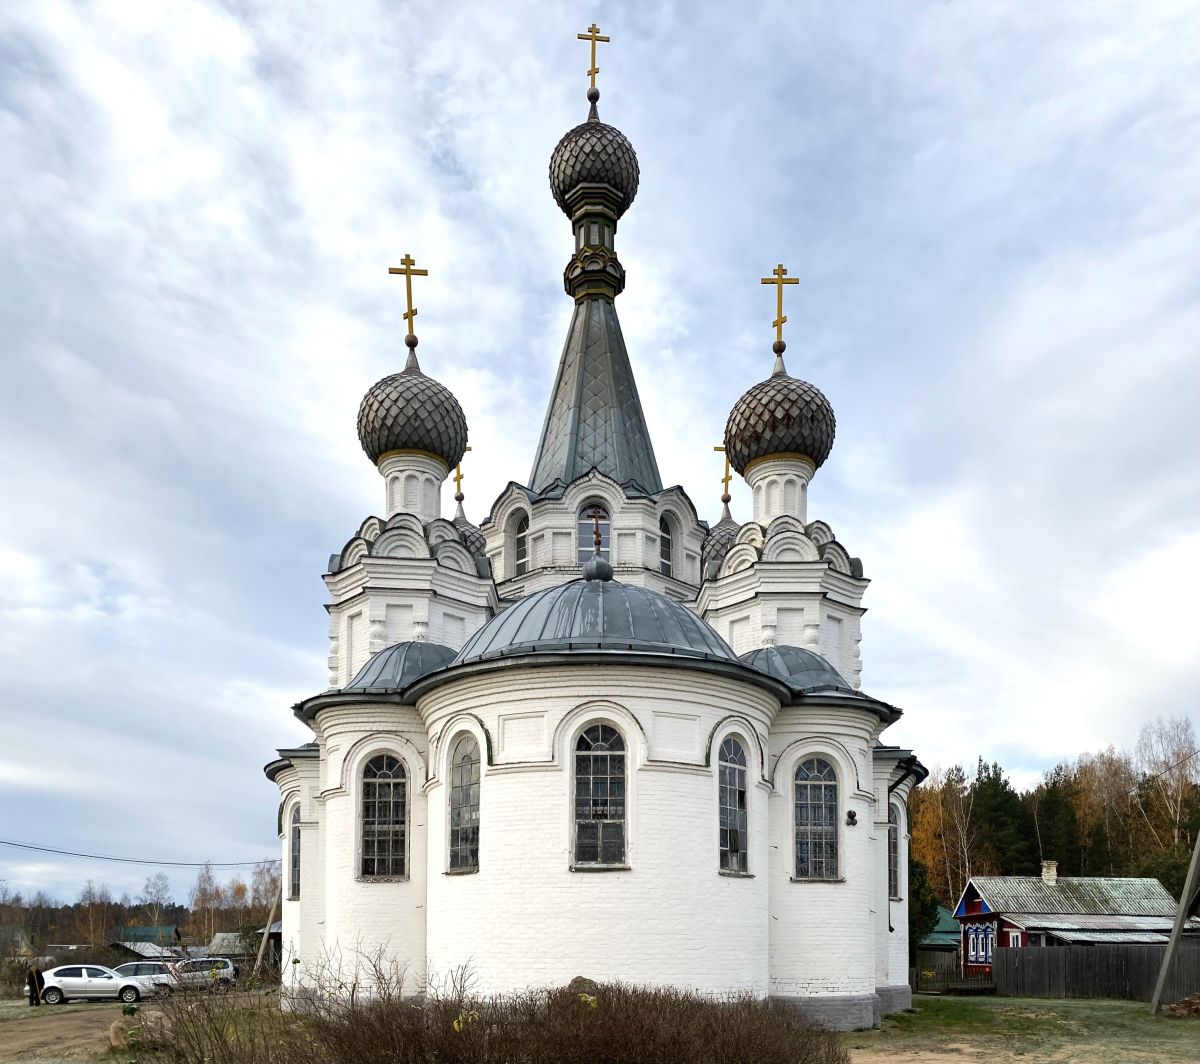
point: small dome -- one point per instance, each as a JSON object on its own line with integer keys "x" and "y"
{"x": 474, "y": 539}
{"x": 396, "y": 667}
{"x": 596, "y": 154}
{"x": 411, "y": 412}
{"x": 800, "y": 669}
{"x": 781, "y": 415}
{"x": 590, "y": 615}
{"x": 718, "y": 541}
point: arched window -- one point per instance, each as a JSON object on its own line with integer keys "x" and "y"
{"x": 816, "y": 820}
{"x": 731, "y": 773}
{"x": 521, "y": 543}
{"x": 893, "y": 852}
{"x": 587, "y": 532}
{"x": 384, "y": 818}
{"x": 664, "y": 546}
{"x": 464, "y": 805}
{"x": 294, "y": 863}
{"x": 600, "y": 797}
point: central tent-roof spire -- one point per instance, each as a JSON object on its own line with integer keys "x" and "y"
{"x": 595, "y": 418}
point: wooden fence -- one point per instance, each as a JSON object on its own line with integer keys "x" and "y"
{"x": 1102, "y": 971}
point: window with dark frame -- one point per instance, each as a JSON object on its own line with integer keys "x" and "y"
{"x": 600, "y": 797}
{"x": 384, "y": 818}
{"x": 734, "y": 822}
{"x": 816, "y": 819}
{"x": 664, "y": 546}
{"x": 464, "y": 805}
{"x": 294, "y": 862}
{"x": 586, "y": 533}
{"x": 522, "y": 546}
{"x": 893, "y": 852}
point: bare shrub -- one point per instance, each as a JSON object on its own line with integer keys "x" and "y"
{"x": 372, "y": 1021}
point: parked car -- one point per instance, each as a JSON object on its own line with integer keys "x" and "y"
{"x": 77, "y": 982}
{"x": 154, "y": 977}
{"x": 207, "y": 973}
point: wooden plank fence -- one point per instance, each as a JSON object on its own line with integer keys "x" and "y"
{"x": 1101, "y": 971}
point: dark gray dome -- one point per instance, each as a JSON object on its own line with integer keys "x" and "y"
{"x": 397, "y": 666}
{"x": 474, "y": 539}
{"x": 781, "y": 415}
{"x": 411, "y": 412}
{"x": 594, "y": 153}
{"x": 590, "y": 615}
{"x": 718, "y": 541}
{"x": 800, "y": 669}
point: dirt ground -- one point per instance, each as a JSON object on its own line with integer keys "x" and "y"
{"x": 1021, "y": 1030}
{"x": 50, "y": 1034}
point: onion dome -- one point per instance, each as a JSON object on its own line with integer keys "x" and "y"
{"x": 586, "y": 616}
{"x": 719, "y": 539}
{"x": 396, "y": 667}
{"x": 800, "y": 669}
{"x": 594, "y": 153}
{"x": 411, "y": 412}
{"x": 781, "y": 415}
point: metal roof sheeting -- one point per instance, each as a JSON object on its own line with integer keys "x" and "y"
{"x": 1123, "y": 937}
{"x": 1076, "y": 895}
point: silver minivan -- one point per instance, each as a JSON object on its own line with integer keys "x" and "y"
{"x": 207, "y": 973}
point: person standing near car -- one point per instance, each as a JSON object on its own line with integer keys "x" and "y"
{"x": 31, "y": 985}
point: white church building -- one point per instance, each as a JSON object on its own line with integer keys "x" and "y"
{"x": 595, "y": 736}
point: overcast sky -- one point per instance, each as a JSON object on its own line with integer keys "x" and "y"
{"x": 994, "y": 210}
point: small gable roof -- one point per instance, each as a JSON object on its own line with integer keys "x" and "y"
{"x": 1071, "y": 895}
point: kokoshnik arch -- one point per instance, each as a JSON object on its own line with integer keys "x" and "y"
{"x": 594, "y": 735}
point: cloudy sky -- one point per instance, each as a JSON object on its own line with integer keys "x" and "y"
{"x": 994, "y": 208}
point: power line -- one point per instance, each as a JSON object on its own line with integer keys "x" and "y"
{"x": 1169, "y": 768}
{"x": 137, "y": 860}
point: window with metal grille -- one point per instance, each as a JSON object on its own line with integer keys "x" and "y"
{"x": 600, "y": 797}
{"x": 464, "y": 805}
{"x": 893, "y": 852}
{"x": 522, "y": 546}
{"x": 731, "y": 781}
{"x": 664, "y": 546}
{"x": 384, "y": 818}
{"x": 587, "y": 533}
{"x": 816, "y": 820}
{"x": 294, "y": 863}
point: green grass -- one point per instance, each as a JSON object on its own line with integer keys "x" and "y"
{"x": 1034, "y": 1027}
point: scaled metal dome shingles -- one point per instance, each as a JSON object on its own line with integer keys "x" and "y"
{"x": 781, "y": 415}
{"x": 800, "y": 669}
{"x": 409, "y": 411}
{"x": 718, "y": 541}
{"x": 594, "y": 153}
{"x": 397, "y": 666}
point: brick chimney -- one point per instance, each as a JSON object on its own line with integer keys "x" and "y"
{"x": 1050, "y": 872}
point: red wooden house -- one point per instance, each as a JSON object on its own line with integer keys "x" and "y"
{"x": 1003, "y": 912}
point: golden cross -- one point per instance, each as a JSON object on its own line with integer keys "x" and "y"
{"x": 728, "y": 476}
{"x": 406, "y": 268}
{"x": 593, "y": 35}
{"x": 779, "y": 278}
{"x": 458, "y": 477}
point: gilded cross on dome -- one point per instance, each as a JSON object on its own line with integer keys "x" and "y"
{"x": 593, "y": 35}
{"x": 458, "y": 479}
{"x": 779, "y": 278}
{"x": 406, "y": 267}
{"x": 725, "y": 480}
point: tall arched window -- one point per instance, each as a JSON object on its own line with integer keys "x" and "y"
{"x": 816, "y": 820}
{"x": 600, "y": 797}
{"x": 664, "y": 546}
{"x": 893, "y": 852}
{"x": 521, "y": 544}
{"x": 464, "y": 805}
{"x": 384, "y": 818}
{"x": 587, "y": 532}
{"x": 294, "y": 863}
{"x": 734, "y": 821}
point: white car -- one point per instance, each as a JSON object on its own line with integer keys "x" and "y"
{"x": 78, "y": 982}
{"x": 154, "y": 977}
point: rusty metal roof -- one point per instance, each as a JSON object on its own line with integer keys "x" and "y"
{"x": 1075, "y": 896}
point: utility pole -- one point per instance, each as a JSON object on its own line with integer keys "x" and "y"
{"x": 267, "y": 930}
{"x": 1189, "y": 900}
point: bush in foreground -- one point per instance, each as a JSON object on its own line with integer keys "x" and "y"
{"x": 613, "y": 1024}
